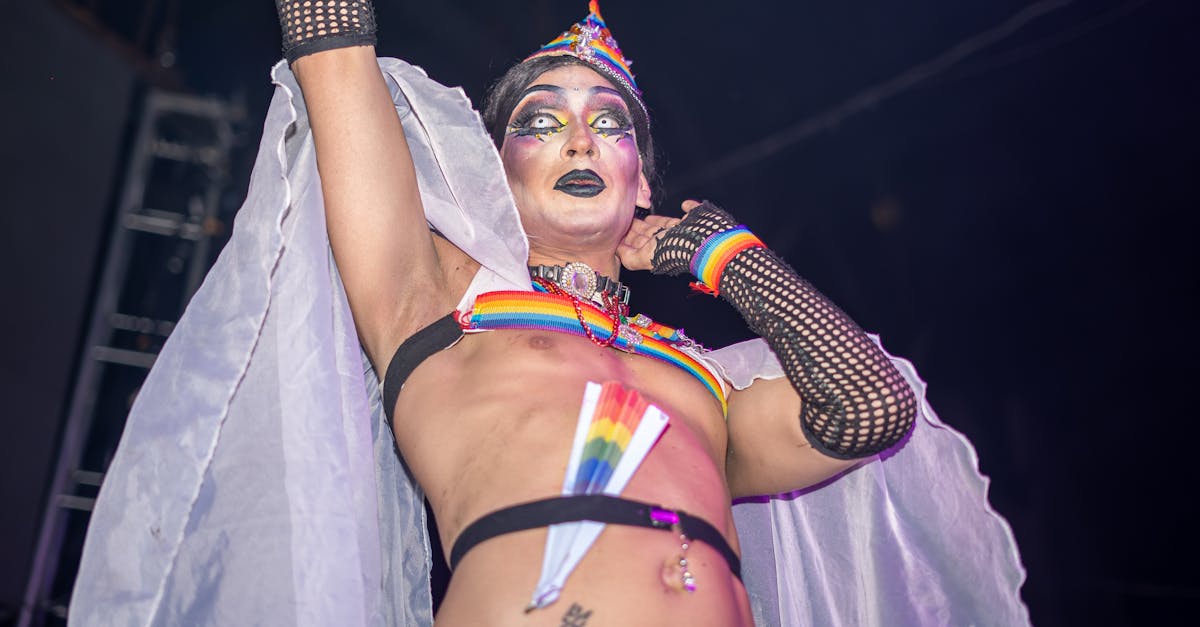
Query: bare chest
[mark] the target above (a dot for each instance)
(489, 422)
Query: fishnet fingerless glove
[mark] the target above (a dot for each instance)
(311, 26)
(855, 403)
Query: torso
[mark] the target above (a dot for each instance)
(489, 422)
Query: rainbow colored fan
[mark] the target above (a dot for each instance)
(616, 429)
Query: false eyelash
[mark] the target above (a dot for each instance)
(622, 118)
(520, 125)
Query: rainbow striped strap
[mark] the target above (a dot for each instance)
(708, 264)
(551, 312)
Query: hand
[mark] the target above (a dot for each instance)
(637, 249)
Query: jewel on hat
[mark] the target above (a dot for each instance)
(591, 42)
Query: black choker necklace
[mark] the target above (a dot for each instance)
(580, 280)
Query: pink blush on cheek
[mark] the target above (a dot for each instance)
(628, 151)
(518, 154)
(518, 151)
(627, 145)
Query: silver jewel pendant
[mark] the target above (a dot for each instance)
(578, 279)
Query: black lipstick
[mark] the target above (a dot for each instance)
(581, 183)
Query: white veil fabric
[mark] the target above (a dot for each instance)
(906, 538)
(257, 483)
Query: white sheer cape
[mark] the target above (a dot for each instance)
(256, 483)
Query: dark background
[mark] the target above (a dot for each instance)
(1019, 222)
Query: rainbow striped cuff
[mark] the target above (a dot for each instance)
(718, 250)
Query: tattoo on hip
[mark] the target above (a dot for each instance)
(576, 616)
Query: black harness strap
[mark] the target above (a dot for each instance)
(595, 507)
(438, 336)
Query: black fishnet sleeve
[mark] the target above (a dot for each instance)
(310, 26)
(855, 402)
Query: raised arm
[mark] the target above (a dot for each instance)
(383, 248)
(851, 401)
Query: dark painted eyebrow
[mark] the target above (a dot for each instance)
(600, 89)
(554, 89)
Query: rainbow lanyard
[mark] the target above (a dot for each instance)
(550, 312)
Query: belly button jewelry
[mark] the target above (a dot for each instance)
(677, 567)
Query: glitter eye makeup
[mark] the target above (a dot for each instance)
(609, 117)
(611, 123)
(537, 123)
(536, 116)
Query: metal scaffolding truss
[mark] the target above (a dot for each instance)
(161, 245)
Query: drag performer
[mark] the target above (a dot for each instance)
(580, 459)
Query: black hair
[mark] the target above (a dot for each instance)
(505, 93)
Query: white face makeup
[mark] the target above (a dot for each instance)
(572, 160)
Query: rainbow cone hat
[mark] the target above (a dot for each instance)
(591, 42)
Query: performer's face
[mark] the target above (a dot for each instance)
(572, 159)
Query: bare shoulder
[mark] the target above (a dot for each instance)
(768, 452)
